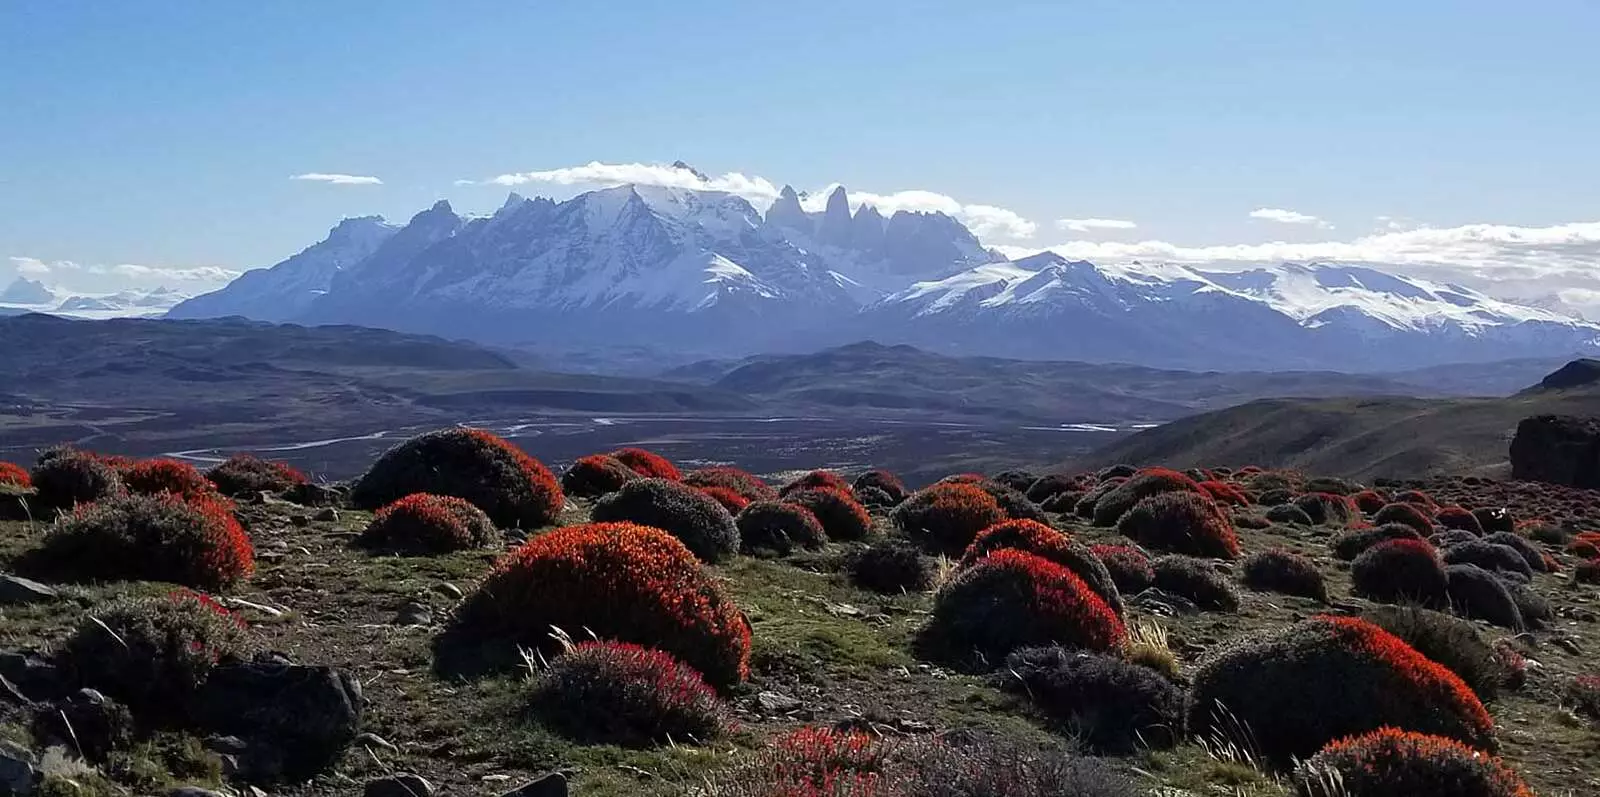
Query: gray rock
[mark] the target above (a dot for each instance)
(553, 784)
(414, 613)
(404, 785)
(17, 773)
(775, 703)
(446, 588)
(17, 591)
(327, 515)
(295, 720)
(374, 740)
(33, 675)
(225, 744)
(192, 791)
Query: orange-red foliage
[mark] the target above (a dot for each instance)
(947, 517)
(1012, 599)
(841, 516)
(1225, 493)
(648, 463)
(14, 474)
(426, 523)
(728, 497)
(1369, 501)
(1390, 762)
(152, 476)
(817, 479)
(1020, 535)
(740, 481)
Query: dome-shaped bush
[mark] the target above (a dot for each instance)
(1146, 483)
(647, 463)
(1011, 599)
(155, 653)
(873, 498)
(1327, 509)
(1013, 503)
(883, 480)
(1064, 503)
(64, 478)
(1532, 605)
(841, 516)
(730, 500)
(1051, 484)
(1288, 514)
(1407, 514)
(1086, 504)
(1284, 572)
(1454, 517)
(1489, 556)
(693, 517)
(1015, 479)
(1326, 678)
(1350, 544)
(1196, 580)
(1530, 553)
(243, 474)
(512, 488)
(1390, 762)
(1449, 537)
(1476, 594)
(427, 524)
(1418, 499)
(194, 542)
(1128, 566)
(816, 480)
(778, 527)
(963, 478)
(621, 582)
(742, 482)
(1107, 703)
(596, 475)
(945, 518)
(1225, 493)
(1449, 641)
(14, 475)
(891, 567)
(1369, 501)
(1033, 537)
(151, 476)
(1121, 471)
(1400, 571)
(1181, 522)
(624, 694)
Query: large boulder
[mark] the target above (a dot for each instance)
(295, 720)
(1560, 449)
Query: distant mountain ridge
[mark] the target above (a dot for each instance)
(706, 271)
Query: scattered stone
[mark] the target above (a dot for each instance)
(775, 703)
(374, 740)
(295, 720)
(327, 515)
(33, 675)
(18, 591)
(414, 613)
(225, 744)
(300, 521)
(447, 588)
(553, 784)
(1560, 449)
(87, 721)
(404, 785)
(192, 791)
(17, 773)
(1163, 603)
(240, 603)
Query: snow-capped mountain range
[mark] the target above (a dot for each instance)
(705, 270)
(25, 295)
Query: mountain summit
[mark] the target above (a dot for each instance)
(705, 271)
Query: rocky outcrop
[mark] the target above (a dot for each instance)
(1559, 449)
(1578, 373)
(294, 720)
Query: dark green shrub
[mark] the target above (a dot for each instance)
(1196, 580)
(65, 478)
(1400, 571)
(1019, 480)
(1350, 544)
(1181, 522)
(1450, 641)
(1145, 484)
(1107, 703)
(512, 488)
(155, 653)
(1284, 572)
(624, 694)
(1476, 594)
(778, 527)
(891, 567)
(696, 519)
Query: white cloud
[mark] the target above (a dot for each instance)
(1090, 225)
(985, 221)
(337, 179)
(92, 278)
(1287, 217)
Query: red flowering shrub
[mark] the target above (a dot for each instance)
(1451, 641)
(1129, 567)
(841, 516)
(1583, 695)
(1354, 542)
(1011, 599)
(1454, 517)
(422, 523)
(14, 475)
(883, 480)
(1408, 514)
(648, 464)
(817, 479)
(1390, 762)
(696, 519)
(195, 542)
(1401, 571)
(1417, 498)
(945, 518)
(64, 478)
(816, 762)
(964, 478)
(622, 582)
(779, 527)
(1181, 522)
(151, 476)
(1327, 678)
(512, 488)
(1031, 536)
(742, 482)
(244, 474)
(154, 653)
(621, 693)
(730, 500)
(1369, 501)
(1327, 509)
(1284, 572)
(596, 475)
(1225, 493)
(1152, 481)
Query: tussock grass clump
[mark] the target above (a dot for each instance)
(624, 694)
(163, 537)
(1299, 688)
(512, 488)
(245, 474)
(696, 519)
(429, 524)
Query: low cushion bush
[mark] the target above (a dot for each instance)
(1350, 544)
(1449, 641)
(512, 488)
(1407, 514)
(883, 480)
(841, 516)
(1454, 517)
(696, 519)
(1327, 509)
(596, 475)
(1476, 594)
(624, 694)
(778, 527)
(244, 474)
(742, 482)
(1040, 540)
(1196, 580)
(65, 478)
(891, 567)
(1400, 571)
(817, 479)
(647, 463)
(1011, 599)
(945, 518)
(1144, 484)
(1181, 522)
(1128, 566)
(1285, 572)
(150, 476)
(196, 542)
(1103, 701)
(1390, 762)
(421, 523)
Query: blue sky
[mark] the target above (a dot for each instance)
(165, 134)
